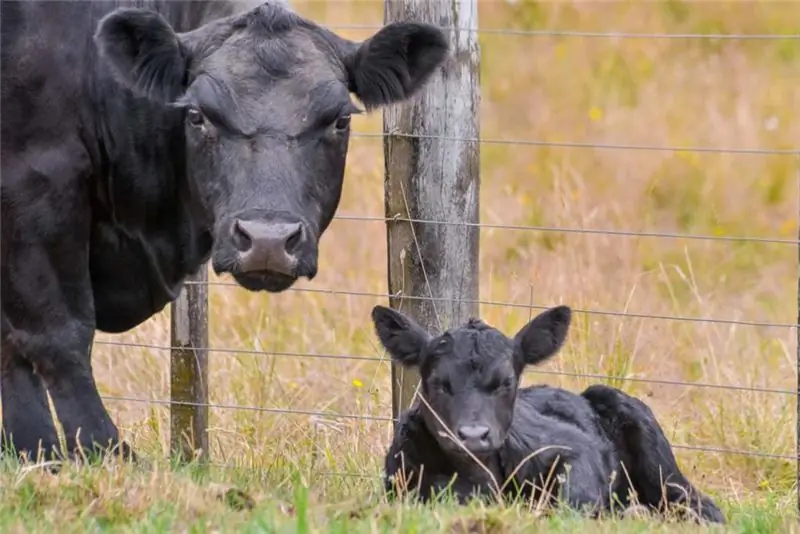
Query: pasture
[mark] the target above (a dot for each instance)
(313, 473)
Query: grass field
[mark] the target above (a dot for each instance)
(665, 92)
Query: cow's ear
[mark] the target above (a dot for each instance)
(144, 53)
(403, 338)
(394, 63)
(543, 336)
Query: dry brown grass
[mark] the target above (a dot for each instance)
(641, 91)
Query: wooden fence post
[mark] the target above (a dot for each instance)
(434, 176)
(189, 371)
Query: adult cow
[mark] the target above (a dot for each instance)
(137, 143)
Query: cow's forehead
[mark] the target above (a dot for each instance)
(296, 54)
(285, 80)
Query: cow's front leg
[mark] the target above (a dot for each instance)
(62, 358)
(48, 303)
(28, 429)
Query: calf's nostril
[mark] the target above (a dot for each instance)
(241, 238)
(473, 432)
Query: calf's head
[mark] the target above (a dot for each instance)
(470, 374)
(265, 100)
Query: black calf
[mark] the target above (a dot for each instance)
(474, 431)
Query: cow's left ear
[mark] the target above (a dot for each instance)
(404, 339)
(394, 63)
(144, 52)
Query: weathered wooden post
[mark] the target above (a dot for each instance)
(432, 174)
(189, 370)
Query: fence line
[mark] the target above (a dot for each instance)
(592, 35)
(287, 411)
(348, 357)
(735, 322)
(316, 413)
(575, 144)
(561, 229)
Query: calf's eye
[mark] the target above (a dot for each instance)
(504, 385)
(444, 386)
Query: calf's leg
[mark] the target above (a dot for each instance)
(647, 455)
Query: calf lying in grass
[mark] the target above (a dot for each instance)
(472, 420)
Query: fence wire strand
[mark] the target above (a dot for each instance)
(561, 229)
(328, 415)
(596, 35)
(253, 352)
(687, 319)
(599, 146)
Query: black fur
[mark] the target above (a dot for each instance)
(396, 62)
(144, 53)
(136, 136)
(593, 451)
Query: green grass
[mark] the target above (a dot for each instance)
(122, 498)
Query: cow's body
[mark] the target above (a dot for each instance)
(591, 451)
(475, 431)
(561, 426)
(66, 122)
(133, 153)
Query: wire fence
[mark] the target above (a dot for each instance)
(404, 132)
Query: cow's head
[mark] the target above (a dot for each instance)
(265, 97)
(470, 374)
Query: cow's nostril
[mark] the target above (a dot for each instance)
(241, 238)
(294, 240)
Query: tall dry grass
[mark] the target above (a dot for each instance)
(670, 92)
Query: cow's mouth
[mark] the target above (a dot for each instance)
(264, 281)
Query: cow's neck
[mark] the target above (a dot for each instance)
(142, 182)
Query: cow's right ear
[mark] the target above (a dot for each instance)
(144, 53)
(542, 337)
(403, 339)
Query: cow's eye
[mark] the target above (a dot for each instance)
(342, 123)
(195, 117)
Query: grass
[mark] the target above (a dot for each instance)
(666, 92)
(128, 499)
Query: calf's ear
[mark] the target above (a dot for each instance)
(394, 63)
(403, 339)
(543, 336)
(143, 52)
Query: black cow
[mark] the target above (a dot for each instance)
(474, 431)
(137, 143)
